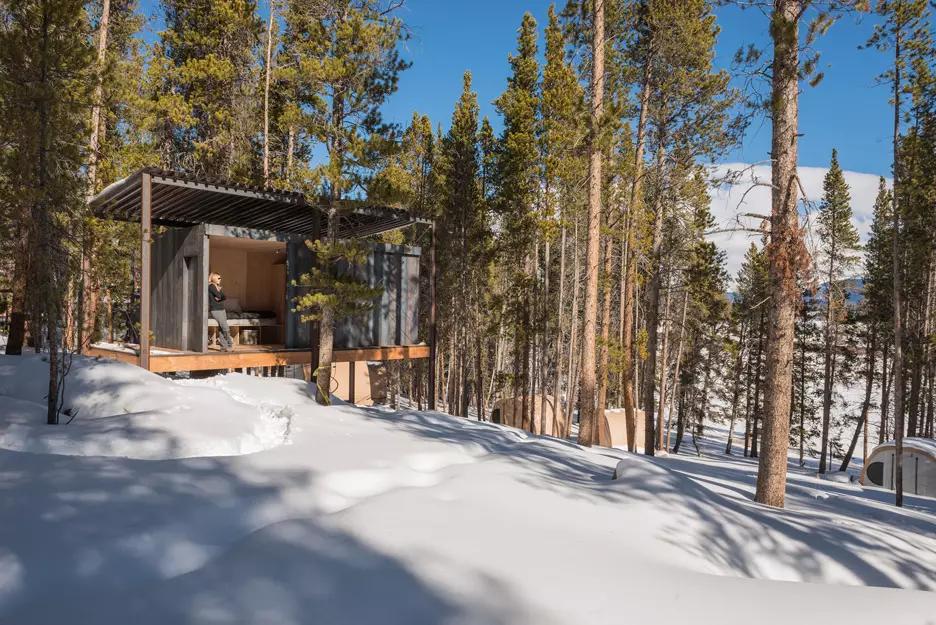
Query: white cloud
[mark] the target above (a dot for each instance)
(750, 193)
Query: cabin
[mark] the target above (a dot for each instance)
(919, 466)
(256, 239)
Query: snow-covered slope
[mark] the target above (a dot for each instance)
(114, 409)
(371, 516)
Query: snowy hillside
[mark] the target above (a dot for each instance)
(243, 502)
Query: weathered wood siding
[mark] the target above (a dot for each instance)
(395, 317)
(299, 260)
(179, 302)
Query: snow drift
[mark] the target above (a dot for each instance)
(371, 516)
(114, 409)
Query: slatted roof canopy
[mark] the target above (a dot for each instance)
(182, 199)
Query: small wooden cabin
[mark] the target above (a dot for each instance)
(256, 239)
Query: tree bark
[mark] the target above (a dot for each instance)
(652, 311)
(784, 253)
(898, 286)
(629, 362)
(679, 347)
(862, 425)
(885, 394)
(827, 380)
(559, 423)
(266, 96)
(588, 419)
(603, 433)
(736, 390)
(663, 371)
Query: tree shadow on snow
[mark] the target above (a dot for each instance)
(111, 540)
(812, 541)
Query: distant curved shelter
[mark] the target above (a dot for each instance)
(919, 468)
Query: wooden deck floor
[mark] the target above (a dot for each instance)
(164, 360)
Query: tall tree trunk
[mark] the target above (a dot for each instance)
(862, 425)
(679, 347)
(603, 433)
(588, 419)
(827, 380)
(663, 370)
(630, 300)
(755, 417)
(802, 411)
(268, 69)
(736, 390)
(17, 336)
(327, 322)
(94, 148)
(652, 311)
(784, 253)
(559, 424)
(546, 416)
(898, 363)
(886, 377)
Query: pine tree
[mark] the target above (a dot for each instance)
(838, 256)
(203, 75)
(518, 186)
(902, 30)
(561, 132)
(45, 78)
(878, 288)
(352, 50)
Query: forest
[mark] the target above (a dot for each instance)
(575, 258)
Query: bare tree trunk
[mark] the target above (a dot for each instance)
(559, 424)
(885, 394)
(290, 148)
(603, 434)
(663, 369)
(94, 149)
(588, 419)
(266, 96)
(17, 336)
(784, 253)
(736, 391)
(898, 286)
(630, 286)
(652, 312)
(827, 380)
(679, 347)
(865, 407)
(572, 380)
(546, 417)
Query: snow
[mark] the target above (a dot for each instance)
(121, 410)
(367, 515)
(914, 443)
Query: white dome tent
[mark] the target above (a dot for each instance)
(919, 469)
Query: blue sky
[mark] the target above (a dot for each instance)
(845, 111)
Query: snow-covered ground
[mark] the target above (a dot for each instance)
(243, 502)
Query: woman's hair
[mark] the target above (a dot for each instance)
(214, 277)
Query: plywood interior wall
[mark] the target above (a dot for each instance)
(256, 277)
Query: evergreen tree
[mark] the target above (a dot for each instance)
(838, 256)
(204, 75)
(878, 289)
(902, 31)
(517, 192)
(45, 78)
(352, 49)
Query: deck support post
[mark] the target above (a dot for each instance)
(432, 316)
(352, 369)
(146, 186)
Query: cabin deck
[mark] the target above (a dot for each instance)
(164, 360)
